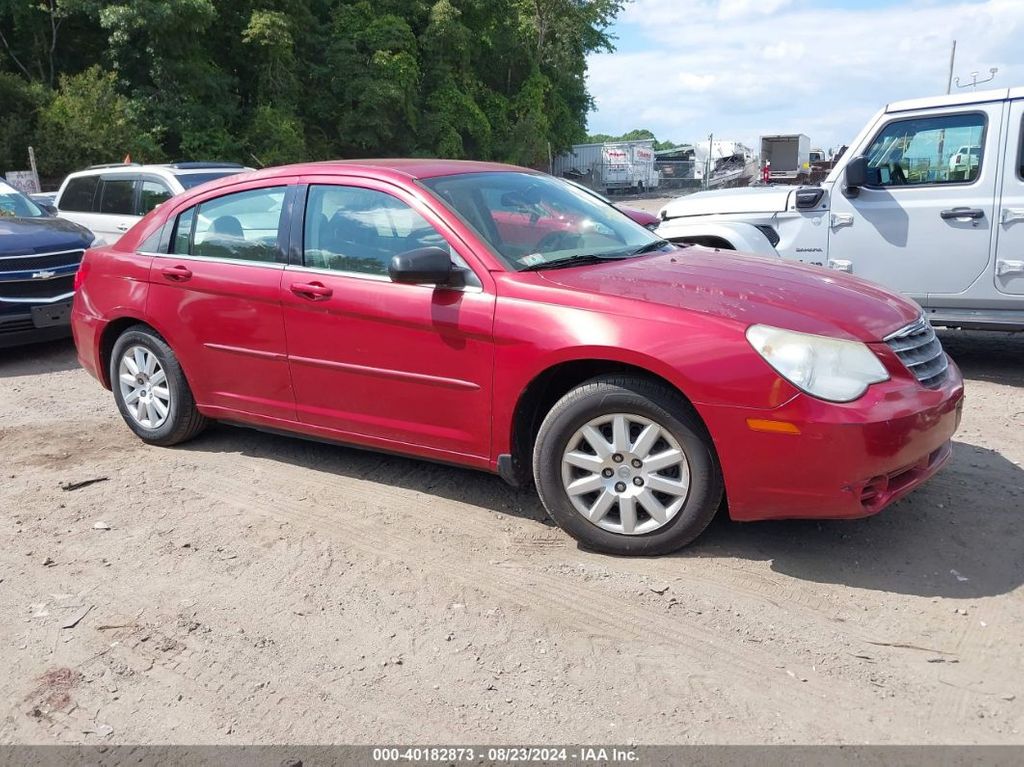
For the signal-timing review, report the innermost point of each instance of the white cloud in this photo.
(743, 68)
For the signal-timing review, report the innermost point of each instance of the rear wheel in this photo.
(625, 466)
(150, 389)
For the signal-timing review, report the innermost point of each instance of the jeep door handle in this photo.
(313, 291)
(176, 273)
(954, 213)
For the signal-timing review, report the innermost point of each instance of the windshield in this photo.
(13, 204)
(189, 180)
(532, 220)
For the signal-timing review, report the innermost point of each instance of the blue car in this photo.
(39, 255)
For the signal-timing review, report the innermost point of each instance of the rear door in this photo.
(1010, 228)
(215, 295)
(922, 226)
(392, 365)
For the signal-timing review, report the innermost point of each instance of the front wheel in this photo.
(625, 466)
(150, 389)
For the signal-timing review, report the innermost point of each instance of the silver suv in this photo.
(109, 199)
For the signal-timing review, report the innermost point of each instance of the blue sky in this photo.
(743, 68)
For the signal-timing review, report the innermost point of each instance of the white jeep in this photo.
(897, 209)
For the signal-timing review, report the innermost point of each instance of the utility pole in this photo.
(952, 58)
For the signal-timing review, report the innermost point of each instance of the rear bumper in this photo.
(848, 460)
(88, 331)
(23, 326)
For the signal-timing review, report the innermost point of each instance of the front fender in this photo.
(745, 238)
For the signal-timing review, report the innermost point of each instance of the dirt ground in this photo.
(256, 588)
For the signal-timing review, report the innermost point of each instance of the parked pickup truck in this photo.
(899, 210)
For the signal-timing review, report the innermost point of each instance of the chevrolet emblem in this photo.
(44, 275)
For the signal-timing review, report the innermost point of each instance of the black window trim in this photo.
(1020, 146)
(940, 184)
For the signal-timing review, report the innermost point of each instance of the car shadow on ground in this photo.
(48, 357)
(987, 356)
(961, 536)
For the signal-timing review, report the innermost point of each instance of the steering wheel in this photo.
(557, 241)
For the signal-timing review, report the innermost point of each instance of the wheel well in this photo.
(545, 390)
(706, 240)
(110, 335)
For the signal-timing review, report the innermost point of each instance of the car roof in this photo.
(412, 168)
(955, 99)
(169, 169)
(392, 169)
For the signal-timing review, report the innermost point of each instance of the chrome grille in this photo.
(919, 349)
(40, 261)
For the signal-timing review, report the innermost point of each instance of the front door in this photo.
(216, 298)
(391, 365)
(924, 224)
(1010, 228)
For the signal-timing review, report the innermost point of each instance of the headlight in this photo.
(827, 368)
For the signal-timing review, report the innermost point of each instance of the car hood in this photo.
(755, 199)
(25, 236)
(750, 290)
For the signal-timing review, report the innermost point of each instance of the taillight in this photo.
(83, 269)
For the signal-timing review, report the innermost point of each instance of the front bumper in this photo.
(29, 325)
(848, 460)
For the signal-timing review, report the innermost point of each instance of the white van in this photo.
(109, 199)
(899, 209)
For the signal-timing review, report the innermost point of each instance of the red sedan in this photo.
(410, 306)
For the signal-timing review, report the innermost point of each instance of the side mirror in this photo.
(856, 175)
(48, 209)
(425, 266)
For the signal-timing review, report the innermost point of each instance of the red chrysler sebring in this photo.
(497, 318)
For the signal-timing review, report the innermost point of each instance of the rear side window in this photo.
(79, 193)
(151, 194)
(242, 226)
(117, 196)
(946, 149)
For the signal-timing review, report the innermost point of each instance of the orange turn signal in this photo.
(773, 427)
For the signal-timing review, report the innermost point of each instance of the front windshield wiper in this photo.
(650, 247)
(577, 260)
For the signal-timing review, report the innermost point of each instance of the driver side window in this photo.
(351, 229)
(928, 150)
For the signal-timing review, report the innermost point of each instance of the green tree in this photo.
(87, 122)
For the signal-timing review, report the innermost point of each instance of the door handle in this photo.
(955, 213)
(1004, 268)
(123, 227)
(176, 273)
(314, 291)
(1013, 214)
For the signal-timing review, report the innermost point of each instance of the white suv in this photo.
(109, 199)
(901, 208)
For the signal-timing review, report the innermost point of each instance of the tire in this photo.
(171, 419)
(694, 483)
